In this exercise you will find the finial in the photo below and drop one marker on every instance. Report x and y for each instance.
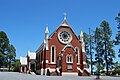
(81, 31)
(65, 14)
(46, 31)
(81, 34)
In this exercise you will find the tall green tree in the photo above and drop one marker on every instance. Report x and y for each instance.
(3, 48)
(7, 51)
(108, 52)
(117, 41)
(99, 60)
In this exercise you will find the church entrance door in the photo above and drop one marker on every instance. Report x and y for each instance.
(32, 67)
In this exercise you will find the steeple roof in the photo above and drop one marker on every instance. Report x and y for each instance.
(47, 31)
(65, 23)
(81, 36)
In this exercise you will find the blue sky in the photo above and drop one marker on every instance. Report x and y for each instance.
(24, 21)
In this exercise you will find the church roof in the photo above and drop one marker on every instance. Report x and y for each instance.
(23, 60)
(32, 55)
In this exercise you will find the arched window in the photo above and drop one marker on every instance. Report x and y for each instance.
(53, 54)
(77, 54)
(69, 58)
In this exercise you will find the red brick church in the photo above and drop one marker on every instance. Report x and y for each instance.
(61, 53)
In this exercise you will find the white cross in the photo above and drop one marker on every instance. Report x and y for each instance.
(65, 14)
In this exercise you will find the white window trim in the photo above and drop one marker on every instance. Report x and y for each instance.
(71, 56)
(78, 55)
(54, 55)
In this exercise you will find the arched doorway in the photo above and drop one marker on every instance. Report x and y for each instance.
(33, 66)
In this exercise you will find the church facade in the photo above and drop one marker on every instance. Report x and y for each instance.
(61, 53)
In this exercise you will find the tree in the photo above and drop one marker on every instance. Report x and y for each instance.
(15, 65)
(11, 55)
(91, 47)
(99, 50)
(3, 48)
(117, 41)
(7, 51)
(107, 51)
(116, 69)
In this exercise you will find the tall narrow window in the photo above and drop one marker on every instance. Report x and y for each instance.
(69, 58)
(77, 54)
(53, 54)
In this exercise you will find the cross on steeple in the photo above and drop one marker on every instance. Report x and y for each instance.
(65, 14)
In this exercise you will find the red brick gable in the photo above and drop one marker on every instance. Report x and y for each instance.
(65, 27)
(54, 37)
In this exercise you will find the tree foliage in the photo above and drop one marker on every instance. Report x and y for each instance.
(15, 65)
(99, 61)
(104, 45)
(3, 47)
(7, 51)
(117, 41)
(11, 55)
(86, 40)
(116, 69)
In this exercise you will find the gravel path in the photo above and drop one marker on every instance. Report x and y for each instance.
(22, 76)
